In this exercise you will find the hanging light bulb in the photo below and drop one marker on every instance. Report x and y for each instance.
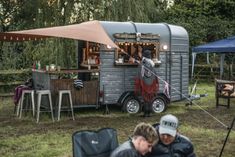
(164, 47)
(109, 47)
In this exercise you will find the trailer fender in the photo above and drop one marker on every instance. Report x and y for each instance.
(166, 98)
(124, 96)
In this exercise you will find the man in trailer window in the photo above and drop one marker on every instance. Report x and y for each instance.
(136, 57)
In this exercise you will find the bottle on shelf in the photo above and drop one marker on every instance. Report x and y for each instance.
(97, 47)
(39, 65)
(36, 64)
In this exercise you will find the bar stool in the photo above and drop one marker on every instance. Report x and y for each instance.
(47, 93)
(21, 102)
(61, 93)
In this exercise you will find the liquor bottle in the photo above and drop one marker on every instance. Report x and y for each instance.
(36, 64)
(39, 65)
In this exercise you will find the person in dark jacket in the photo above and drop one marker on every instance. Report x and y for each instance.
(144, 137)
(171, 143)
(146, 83)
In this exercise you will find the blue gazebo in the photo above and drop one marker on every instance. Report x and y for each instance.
(223, 47)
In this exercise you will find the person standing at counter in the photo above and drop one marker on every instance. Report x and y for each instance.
(146, 83)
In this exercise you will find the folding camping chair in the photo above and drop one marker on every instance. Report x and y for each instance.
(98, 143)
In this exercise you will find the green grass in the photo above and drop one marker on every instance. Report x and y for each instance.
(24, 138)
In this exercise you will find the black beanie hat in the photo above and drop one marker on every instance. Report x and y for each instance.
(147, 54)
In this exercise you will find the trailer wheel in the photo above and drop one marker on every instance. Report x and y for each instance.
(131, 105)
(159, 105)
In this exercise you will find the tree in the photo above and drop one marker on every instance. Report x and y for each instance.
(205, 20)
(130, 10)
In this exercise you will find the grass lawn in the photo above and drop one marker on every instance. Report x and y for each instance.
(24, 138)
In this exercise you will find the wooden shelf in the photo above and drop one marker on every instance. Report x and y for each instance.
(94, 53)
(68, 71)
(86, 65)
(129, 64)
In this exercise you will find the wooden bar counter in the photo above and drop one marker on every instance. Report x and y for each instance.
(83, 97)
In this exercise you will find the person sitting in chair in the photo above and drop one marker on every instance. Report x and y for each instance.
(171, 143)
(144, 137)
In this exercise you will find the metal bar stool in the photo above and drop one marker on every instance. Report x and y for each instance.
(21, 102)
(61, 93)
(47, 93)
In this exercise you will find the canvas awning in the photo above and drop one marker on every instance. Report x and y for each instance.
(88, 31)
(221, 46)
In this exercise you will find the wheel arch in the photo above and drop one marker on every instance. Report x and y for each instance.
(164, 97)
(125, 95)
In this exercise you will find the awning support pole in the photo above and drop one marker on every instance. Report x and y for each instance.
(193, 61)
(222, 65)
(221, 152)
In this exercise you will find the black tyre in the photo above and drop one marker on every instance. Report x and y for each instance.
(159, 105)
(131, 105)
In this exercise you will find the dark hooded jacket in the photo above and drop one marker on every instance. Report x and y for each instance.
(180, 147)
(126, 149)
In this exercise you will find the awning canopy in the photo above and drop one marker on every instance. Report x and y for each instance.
(221, 46)
(224, 45)
(89, 31)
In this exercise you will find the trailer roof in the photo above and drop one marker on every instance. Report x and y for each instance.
(166, 32)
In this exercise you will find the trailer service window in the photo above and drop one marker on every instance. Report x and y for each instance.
(130, 53)
(131, 46)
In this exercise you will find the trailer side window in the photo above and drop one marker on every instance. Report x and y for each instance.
(131, 53)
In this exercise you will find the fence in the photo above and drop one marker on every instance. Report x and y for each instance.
(205, 72)
(9, 79)
(210, 72)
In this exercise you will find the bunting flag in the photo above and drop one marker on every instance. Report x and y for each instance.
(166, 89)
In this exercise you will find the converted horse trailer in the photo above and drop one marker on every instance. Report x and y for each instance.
(107, 74)
(115, 75)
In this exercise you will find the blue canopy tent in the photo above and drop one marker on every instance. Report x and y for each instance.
(221, 46)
